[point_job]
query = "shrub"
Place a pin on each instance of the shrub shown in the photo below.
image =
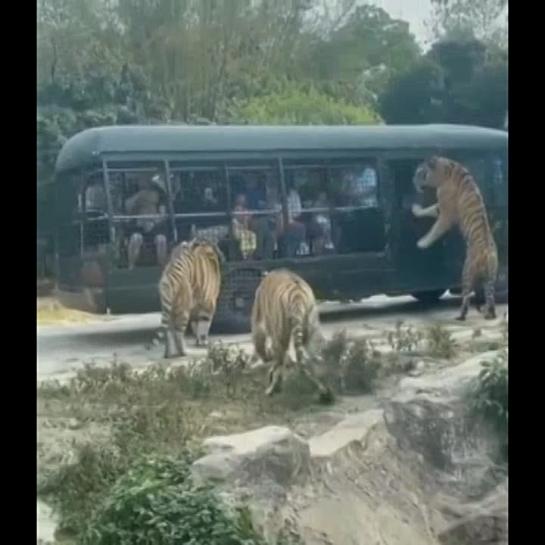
(157, 502)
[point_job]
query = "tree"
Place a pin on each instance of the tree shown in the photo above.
(302, 105)
(414, 96)
(485, 20)
(367, 49)
(457, 82)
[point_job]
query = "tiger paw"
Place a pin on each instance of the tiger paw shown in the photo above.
(416, 209)
(422, 244)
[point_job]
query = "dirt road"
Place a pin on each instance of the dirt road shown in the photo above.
(62, 348)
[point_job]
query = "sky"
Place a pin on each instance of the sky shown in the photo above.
(415, 12)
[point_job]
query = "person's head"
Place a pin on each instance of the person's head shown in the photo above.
(349, 176)
(208, 194)
(240, 200)
(322, 197)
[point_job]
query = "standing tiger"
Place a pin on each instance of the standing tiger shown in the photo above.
(189, 290)
(285, 315)
(459, 202)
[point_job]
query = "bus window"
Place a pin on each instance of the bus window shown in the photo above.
(140, 214)
(94, 214)
(309, 231)
(358, 222)
(256, 211)
(199, 197)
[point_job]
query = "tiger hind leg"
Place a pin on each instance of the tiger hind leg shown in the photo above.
(490, 313)
(467, 287)
(259, 338)
(179, 334)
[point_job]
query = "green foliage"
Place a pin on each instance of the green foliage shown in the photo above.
(157, 502)
(490, 399)
(298, 107)
(440, 342)
(367, 49)
(456, 82)
(404, 339)
(351, 366)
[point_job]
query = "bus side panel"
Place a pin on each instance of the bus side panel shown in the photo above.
(133, 291)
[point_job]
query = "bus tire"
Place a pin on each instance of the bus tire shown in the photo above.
(236, 301)
(428, 297)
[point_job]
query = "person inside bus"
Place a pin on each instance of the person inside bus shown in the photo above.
(256, 196)
(361, 190)
(260, 224)
(319, 230)
(295, 231)
(95, 196)
(241, 227)
(149, 200)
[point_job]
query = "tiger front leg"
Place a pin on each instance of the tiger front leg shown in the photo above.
(275, 377)
(203, 328)
(259, 338)
(440, 227)
(430, 212)
(168, 339)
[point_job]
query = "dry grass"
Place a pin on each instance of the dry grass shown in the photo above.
(51, 312)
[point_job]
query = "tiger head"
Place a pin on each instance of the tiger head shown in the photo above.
(432, 173)
(211, 248)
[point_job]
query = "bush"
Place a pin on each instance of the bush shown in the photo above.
(440, 342)
(351, 366)
(404, 339)
(157, 502)
(295, 106)
(491, 392)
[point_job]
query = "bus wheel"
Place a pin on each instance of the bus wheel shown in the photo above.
(428, 297)
(236, 301)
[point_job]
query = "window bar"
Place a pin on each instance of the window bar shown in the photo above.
(170, 202)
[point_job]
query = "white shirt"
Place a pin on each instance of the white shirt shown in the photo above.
(364, 188)
(294, 205)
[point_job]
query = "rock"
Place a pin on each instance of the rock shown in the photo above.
(46, 523)
(482, 522)
(352, 428)
(418, 369)
(429, 416)
(74, 424)
(271, 452)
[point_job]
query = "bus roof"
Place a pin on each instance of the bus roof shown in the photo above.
(87, 147)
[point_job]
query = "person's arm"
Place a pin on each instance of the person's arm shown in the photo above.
(130, 203)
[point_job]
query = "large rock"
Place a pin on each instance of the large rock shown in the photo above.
(272, 452)
(430, 416)
(353, 428)
(481, 522)
(257, 468)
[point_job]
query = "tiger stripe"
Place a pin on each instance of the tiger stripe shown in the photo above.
(460, 203)
(189, 289)
(285, 316)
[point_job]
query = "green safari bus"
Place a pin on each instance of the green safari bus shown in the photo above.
(331, 203)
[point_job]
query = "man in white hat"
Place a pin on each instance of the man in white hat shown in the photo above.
(147, 201)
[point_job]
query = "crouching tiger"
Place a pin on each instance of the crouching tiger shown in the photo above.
(459, 202)
(189, 290)
(285, 316)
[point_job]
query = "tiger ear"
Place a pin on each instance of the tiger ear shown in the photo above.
(432, 161)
